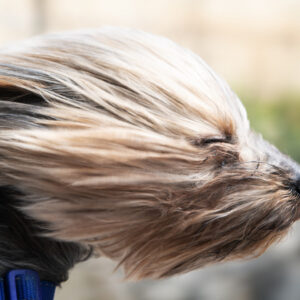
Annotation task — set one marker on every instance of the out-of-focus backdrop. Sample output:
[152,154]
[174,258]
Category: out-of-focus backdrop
[255,46]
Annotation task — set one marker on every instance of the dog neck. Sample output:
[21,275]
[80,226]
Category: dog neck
[23,244]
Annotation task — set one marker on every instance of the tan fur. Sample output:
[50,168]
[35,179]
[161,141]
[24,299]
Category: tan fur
[141,151]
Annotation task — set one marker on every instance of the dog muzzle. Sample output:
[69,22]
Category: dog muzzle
[25,284]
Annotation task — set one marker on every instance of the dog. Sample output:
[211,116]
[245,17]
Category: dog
[119,143]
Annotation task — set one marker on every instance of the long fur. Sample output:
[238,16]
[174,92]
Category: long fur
[122,142]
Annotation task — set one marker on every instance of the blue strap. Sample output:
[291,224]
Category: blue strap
[25,285]
[2,296]
[47,290]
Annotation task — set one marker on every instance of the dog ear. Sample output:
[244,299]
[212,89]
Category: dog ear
[22,241]
[19,107]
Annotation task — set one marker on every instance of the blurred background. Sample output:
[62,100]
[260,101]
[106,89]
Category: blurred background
[255,46]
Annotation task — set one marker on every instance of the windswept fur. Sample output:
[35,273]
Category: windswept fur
[124,142]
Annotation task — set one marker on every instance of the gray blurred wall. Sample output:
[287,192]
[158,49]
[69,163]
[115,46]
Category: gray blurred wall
[254,44]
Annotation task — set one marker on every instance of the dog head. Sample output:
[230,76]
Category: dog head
[124,142]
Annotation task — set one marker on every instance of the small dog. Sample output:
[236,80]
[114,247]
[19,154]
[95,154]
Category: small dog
[119,143]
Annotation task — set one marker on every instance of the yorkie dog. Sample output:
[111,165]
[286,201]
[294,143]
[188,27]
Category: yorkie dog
[119,143]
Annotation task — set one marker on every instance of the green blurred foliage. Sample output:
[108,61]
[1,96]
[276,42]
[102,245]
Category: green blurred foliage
[278,120]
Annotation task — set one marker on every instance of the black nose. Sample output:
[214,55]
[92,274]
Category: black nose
[296,186]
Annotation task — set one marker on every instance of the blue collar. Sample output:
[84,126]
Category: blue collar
[25,284]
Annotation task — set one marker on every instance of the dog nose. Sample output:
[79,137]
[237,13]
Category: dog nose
[297,185]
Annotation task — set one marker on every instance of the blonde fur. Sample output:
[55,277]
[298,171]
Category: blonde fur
[134,146]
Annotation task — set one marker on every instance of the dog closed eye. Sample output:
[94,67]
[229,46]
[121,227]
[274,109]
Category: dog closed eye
[211,140]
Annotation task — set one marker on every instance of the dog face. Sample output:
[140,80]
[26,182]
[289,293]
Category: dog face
[125,142]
